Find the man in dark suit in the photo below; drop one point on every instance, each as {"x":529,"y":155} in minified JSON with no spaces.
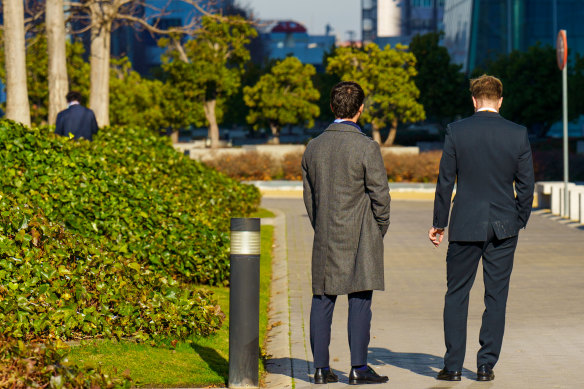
{"x":489,"y":157}
{"x":347,"y":199}
{"x":76,"y":119}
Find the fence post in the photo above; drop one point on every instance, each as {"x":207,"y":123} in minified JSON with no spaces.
{"x":244,"y":300}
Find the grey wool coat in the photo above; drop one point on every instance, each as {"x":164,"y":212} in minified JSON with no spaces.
{"x":347,"y":199}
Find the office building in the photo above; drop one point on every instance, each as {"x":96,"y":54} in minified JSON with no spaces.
{"x":399,"y":20}
{"x":287,"y":38}
{"x":480,"y":30}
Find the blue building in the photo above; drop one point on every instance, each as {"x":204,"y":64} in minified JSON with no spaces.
{"x":288,"y":38}
{"x":480,"y":30}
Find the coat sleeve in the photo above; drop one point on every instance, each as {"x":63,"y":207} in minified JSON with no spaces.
{"x":524,"y":182}
{"x":307,"y":192}
{"x":60,"y":127}
{"x":377,"y":187}
{"x":445,"y":184}
{"x":94,"y":127}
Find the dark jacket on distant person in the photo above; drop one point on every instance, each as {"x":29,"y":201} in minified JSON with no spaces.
{"x":490,"y":160}
{"x":347,"y":199}
{"x":77,"y":120}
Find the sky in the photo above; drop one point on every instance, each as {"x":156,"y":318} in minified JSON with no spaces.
{"x":342,"y":15}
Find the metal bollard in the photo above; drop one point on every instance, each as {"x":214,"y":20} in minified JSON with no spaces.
{"x":244,"y":303}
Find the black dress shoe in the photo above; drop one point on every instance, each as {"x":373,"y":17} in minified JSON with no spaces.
{"x":369,"y":376}
{"x":447,"y":375}
{"x":485,"y":373}
{"x":324,"y":376}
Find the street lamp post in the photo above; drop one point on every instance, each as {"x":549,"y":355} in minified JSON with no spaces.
{"x":562,"y":56}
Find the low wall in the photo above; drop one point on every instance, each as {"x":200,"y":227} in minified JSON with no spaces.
{"x":199,"y":152}
{"x":550,"y":195}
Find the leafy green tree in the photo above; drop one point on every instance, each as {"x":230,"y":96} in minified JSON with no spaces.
{"x":208,"y":68}
{"x":532,"y":86}
{"x":283,"y":96}
{"x":137,"y":101}
{"x":387,"y":78}
{"x":443,"y":87}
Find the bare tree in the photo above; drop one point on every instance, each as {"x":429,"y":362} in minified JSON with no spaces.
{"x":17,"y":106}
{"x":101,"y":17}
{"x":58,"y":82}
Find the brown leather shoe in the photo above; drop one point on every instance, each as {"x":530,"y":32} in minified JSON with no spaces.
{"x":485,"y":373}
{"x":447,"y":375}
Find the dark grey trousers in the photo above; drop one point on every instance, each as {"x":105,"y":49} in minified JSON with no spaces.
{"x":461,"y":266}
{"x":358,"y":327}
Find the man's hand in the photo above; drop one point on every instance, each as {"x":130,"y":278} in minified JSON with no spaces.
{"x":436,"y":235}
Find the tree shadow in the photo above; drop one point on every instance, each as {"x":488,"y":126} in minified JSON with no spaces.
{"x":215,"y":361}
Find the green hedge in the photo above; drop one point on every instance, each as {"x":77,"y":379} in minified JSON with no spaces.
{"x":56,"y":285}
{"x":130,"y":190}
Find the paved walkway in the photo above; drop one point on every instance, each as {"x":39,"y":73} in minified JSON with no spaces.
{"x":544,"y":340}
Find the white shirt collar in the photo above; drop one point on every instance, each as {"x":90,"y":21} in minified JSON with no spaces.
{"x":74,"y":102}
{"x":489,"y":109}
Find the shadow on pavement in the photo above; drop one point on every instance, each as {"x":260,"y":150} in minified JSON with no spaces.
{"x":214,"y":360}
{"x":423,"y":364}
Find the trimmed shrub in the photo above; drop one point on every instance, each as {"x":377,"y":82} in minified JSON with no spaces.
{"x":423,"y":167}
{"x":38,"y":366}
{"x":254,"y":166}
{"x":292,"y":166}
{"x":250,"y":165}
{"x":130,"y":190}
{"x":54,"y":284}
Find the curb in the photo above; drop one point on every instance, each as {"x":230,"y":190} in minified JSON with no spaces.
{"x":279,"y":365}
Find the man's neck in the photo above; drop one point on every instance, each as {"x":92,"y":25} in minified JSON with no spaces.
{"x":488,"y":109}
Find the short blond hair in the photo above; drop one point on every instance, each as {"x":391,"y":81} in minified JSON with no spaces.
{"x":486,"y":88}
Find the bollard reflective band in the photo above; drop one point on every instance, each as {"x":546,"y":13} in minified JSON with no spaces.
{"x":245,"y":242}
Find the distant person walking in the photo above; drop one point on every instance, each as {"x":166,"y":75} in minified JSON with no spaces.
{"x":346,"y":195}
{"x":490,"y":160}
{"x":76,"y":119}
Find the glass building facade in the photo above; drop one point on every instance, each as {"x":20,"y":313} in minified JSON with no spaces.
{"x":480,"y":30}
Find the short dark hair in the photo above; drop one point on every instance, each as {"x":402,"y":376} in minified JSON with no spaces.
{"x":73,"y":96}
{"x":346,"y":99}
{"x":486,"y":88}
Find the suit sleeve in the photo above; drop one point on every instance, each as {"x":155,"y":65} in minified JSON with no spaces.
{"x":94,"y":126}
{"x":377,"y":187}
{"x":307,"y":192}
{"x":445,"y":184}
{"x":524,"y":182}
{"x":60,"y":127}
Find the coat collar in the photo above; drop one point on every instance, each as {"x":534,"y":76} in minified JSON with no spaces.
{"x":487,"y":114}
{"x":343,"y":128}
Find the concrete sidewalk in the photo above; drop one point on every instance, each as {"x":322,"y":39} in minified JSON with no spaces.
{"x":544,"y":340}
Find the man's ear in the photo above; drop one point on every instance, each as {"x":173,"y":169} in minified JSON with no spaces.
{"x":474,"y":103}
{"x":499,"y":103}
{"x":361,"y":108}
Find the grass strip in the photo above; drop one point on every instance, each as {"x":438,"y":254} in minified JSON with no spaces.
{"x":193,"y":363}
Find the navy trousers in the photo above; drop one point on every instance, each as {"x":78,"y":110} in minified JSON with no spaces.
{"x":358,"y":327}
{"x":461,"y":266}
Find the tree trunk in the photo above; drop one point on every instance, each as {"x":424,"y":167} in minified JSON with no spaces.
{"x":56,"y":37}
{"x":100,"y":64}
{"x":17,"y":105}
{"x":209,"y":108}
{"x":375,"y":132}
{"x":275,"y":134}
{"x":391,"y":136}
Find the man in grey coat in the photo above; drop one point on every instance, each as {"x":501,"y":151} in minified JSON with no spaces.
{"x":347,"y":199}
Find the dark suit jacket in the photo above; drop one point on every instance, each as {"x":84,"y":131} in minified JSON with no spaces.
{"x":78,"y":120}
{"x":347,"y":199}
{"x":486,"y":154}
